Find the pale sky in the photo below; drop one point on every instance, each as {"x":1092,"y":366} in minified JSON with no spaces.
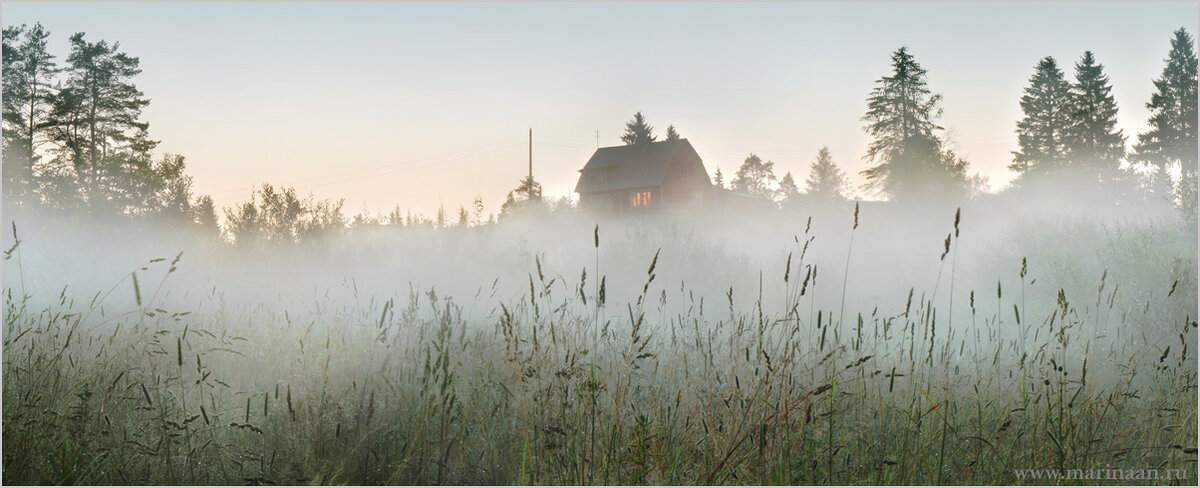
{"x":417,"y":104}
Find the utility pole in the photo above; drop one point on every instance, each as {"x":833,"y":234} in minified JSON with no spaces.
{"x":597,"y":138}
{"x":531,"y":156}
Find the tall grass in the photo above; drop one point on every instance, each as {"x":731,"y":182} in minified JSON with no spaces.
{"x":562,"y":386}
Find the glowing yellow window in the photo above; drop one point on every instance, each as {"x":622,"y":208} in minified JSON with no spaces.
{"x":640,"y":199}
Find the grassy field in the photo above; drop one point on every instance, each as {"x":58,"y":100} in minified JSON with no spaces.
{"x":563,"y":384}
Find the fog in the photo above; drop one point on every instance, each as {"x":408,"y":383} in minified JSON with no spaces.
{"x":394,"y":355}
{"x":705,"y":257}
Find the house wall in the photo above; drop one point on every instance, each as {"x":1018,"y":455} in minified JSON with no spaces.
{"x":686,"y":182}
{"x":621,"y":201}
{"x":600,"y":201}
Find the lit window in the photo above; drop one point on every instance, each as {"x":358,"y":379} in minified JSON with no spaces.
{"x":640,"y":199}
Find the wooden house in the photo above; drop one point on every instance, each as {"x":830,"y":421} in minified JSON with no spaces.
{"x":644,"y":177}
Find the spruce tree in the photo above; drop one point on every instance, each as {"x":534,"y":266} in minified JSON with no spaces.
{"x":671,"y":134}
{"x":1041,"y":134}
{"x":788,"y":193}
{"x":719,"y":179}
{"x":826,"y":182}
{"x":637,"y":131}
{"x":1095,"y":146}
{"x":1171,"y":140}
{"x":901,"y":114}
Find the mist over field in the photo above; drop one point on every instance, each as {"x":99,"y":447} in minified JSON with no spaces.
{"x":896,"y":248}
{"x":346,"y":326}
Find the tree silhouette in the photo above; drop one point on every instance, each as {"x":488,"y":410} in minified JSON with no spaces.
{"x":1094,"y":144}
{"x":96,"y":118}
{"x":911,"y":162}
{"x":278,"y":215}
{"x":527,"y":195}
{"x":788,"y":192}
{"x":12,"y":82}
{"x":1041,"y":134}
{"x":672,"y":135}
{"x":826,"y":182}
{"x":100,"y":155}
{"x":477,"y":209}
{"x":1171,"y":140}
{"x":755,"y":177}
{"x":29,"y":70}
{"x":204,"y":213}
{"x":637,"y":131}
{"x":464,"y":217}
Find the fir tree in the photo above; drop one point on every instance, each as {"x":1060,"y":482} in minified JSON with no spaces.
{"x":671,"y":134}
{"x":1041,"y":134}
{"x":788,"y":193}
{"x":901,"y":114}
{"x":1094,"y":144}
{"x":719,"y":179}
{"x":826,"y":182}
{"x":637,"y":131}
{"x":1171,"y":140}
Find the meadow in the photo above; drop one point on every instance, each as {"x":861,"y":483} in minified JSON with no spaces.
{"x":857,"y":346}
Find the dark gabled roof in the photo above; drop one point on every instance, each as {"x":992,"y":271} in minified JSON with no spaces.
{"x":627,"y":167}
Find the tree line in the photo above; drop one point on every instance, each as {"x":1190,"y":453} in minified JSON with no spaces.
{"x":74,"y":140}
{"x":1067,"y":140}
{"x":1069,"y":129}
